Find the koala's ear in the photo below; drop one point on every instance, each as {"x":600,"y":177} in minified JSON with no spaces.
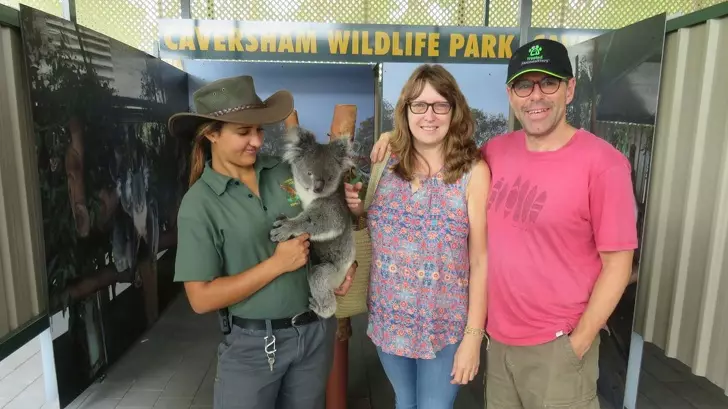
{"x":298,"y":140}
{"x":291,"y":150}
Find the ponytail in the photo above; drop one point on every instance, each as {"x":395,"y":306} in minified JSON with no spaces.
{"x":199,"y":149}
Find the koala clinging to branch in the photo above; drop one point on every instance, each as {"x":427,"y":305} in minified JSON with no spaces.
{"x":318,"y":171}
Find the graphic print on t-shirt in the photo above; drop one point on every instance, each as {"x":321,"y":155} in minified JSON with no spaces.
{"x":520,"y":201}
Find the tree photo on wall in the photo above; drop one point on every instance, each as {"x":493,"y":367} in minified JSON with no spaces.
{"x":111,"y":179}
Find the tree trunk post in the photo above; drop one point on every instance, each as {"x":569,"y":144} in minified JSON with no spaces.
{"x":343,"y":124}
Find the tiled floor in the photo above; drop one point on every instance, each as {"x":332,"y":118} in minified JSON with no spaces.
{"x":173,"y":366}
{"x":21,"y":379}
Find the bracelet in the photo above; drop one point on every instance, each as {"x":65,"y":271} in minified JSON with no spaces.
{"x":480,"y":332}
{"x":475,"y":331}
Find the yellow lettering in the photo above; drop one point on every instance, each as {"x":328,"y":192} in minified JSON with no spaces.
{"x":381,"y":43}
{"x":355,"y":42}
{"x":286,"y":44}
{"x":488,"y":46}
{"x":420,"y":43}
{"x":433,"y":45}
{"x":504,"y":45}
{"x":169,"y":42}
{"x":235,"y":42}
{"x":187,"y":43}
{"x":253,"y":43}
{"x":471,"y":48}
{"x":457,"y":41}
{"x":202,"y":39}
{"x":220,"y":43}
{"x":396,"y":50}
{"x":366,"y":49}
{"x":339,"y":40}
{"x":306,"y":42}
{"x":268,"y":43}
{"x":408,"y":44}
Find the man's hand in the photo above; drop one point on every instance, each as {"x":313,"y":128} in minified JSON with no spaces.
{"x":580,"y":345}
{"x":344,"y":287}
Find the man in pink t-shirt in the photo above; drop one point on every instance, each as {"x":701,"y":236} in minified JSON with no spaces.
{"x":561,"y":234}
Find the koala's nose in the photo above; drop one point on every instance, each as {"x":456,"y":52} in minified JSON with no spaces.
{"x":318,"y":186}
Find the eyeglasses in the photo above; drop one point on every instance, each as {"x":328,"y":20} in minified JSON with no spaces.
{"x":524,"y":88}
{"x":439,"y":108}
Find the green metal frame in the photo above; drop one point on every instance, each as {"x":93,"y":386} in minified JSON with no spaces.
{"x":21,"y":336}
{"x":9,"y":16}
{"x":697,"y":17}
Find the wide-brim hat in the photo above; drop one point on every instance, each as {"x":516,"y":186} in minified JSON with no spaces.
{"x":232,"y":100}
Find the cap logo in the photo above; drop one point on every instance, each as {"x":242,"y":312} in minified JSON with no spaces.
{"x":535,"y":56}
{"x":534,"y":53}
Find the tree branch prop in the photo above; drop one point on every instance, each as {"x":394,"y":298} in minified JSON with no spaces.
{"x":96,"y":280}
{"x":292,"y":120}
{"x":74,"y":173}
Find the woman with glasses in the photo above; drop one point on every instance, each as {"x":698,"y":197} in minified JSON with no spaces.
{"x":428,"y":277}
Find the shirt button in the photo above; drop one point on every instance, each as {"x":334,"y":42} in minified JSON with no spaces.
{"x":265,"y":208}
{"x":237,"y":182}
{"x":250,"y":195}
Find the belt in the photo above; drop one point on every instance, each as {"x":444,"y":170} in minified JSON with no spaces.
{"x":297,"y":320}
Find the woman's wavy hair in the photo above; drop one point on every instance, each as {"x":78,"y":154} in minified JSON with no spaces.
{"x":460,"y":149}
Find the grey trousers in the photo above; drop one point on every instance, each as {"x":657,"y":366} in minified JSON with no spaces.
{"x":303,"y":360}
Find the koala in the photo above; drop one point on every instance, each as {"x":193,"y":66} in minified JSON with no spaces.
{"x":318,"y":173}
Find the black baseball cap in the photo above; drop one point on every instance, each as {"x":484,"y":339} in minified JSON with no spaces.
{"x":542,"y":55}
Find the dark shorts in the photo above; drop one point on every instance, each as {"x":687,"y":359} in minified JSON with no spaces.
{"x":303,"y":360}
{"x":542,"y":376}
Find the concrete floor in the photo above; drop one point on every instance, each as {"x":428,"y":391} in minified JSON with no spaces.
{"x":173,"y":366}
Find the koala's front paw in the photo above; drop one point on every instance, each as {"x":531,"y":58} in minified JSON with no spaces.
{"x":281,"y":231}
{"x":280,"y":221}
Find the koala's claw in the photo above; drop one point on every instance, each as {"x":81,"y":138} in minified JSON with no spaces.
{"x":278,"y":235}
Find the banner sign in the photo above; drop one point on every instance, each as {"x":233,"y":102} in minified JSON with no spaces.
{"x":366,"y":43}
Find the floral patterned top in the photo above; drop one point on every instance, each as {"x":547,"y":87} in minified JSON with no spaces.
{"x":418,"y":292}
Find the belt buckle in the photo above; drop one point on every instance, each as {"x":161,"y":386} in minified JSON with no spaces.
{"x":295,"y":317}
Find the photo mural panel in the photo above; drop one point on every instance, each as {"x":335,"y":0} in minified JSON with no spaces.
{"x":111,"y":180}
{"x":482,"y":85}
{"x":316,"y":89}
{"x":617,"y":85}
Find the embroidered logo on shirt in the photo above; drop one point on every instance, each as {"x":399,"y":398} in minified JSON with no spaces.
{"x":293,"y":199}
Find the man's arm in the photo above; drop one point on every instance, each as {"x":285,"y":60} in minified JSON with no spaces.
{"x":614,"y":226}
{"x":608,"y":290}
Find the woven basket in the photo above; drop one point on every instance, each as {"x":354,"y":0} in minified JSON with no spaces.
{"x":355,"y":300}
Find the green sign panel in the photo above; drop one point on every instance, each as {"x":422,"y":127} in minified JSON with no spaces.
{"x":272,"y":41}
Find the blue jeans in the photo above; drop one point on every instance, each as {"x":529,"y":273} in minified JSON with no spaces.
{"x":422,"y":383}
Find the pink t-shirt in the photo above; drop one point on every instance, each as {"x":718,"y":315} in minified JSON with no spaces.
{"x":549,"y":215}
